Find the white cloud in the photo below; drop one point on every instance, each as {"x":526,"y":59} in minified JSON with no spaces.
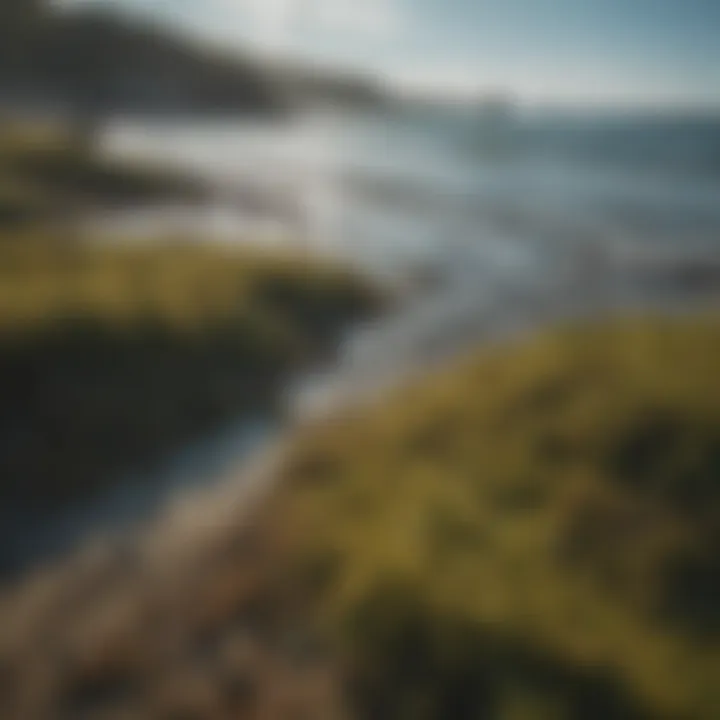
{"x":380,"y":18}
{"x":274,"y":22}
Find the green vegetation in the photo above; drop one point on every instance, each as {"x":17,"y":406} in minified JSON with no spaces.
{"x":533,"y":536}
{"x":110,"y":356}
{"x":45,"y":175}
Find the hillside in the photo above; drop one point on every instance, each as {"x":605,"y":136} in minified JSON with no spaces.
{"x":531,"y":535}
{"x":96,"y":61}
{"x":111,"y":357}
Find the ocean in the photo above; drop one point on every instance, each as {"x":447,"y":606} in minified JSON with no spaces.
{"x":493,"y":223}
{"x":405,"y":184}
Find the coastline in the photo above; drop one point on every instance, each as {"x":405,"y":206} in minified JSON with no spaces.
{"x":201,"y":574}
{"x":239,"y":489}
{"x":206,"y":563}
{"x":356,"y":379}
{"x":123,"y":368}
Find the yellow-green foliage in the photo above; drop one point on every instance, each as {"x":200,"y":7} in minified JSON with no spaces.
{"x":185,"y":287}
{"x":532,"y":535}
{"x":110,"y":355}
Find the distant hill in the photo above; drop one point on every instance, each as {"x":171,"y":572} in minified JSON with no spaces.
{"x":98,"y":61}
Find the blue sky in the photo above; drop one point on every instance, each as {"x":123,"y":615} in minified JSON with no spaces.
{"x":621,"y":51}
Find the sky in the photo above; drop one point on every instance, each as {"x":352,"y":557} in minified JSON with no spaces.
{"x":585,"y":51}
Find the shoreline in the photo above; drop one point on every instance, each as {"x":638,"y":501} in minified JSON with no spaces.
{"x":435,"y":328}
{"x":200,"y":514}
{"x":140,"y":389}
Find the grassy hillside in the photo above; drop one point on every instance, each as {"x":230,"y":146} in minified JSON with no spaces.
{"x":111,"y":356}
{"x":534,"y":535}
{"x":531,"y":536}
